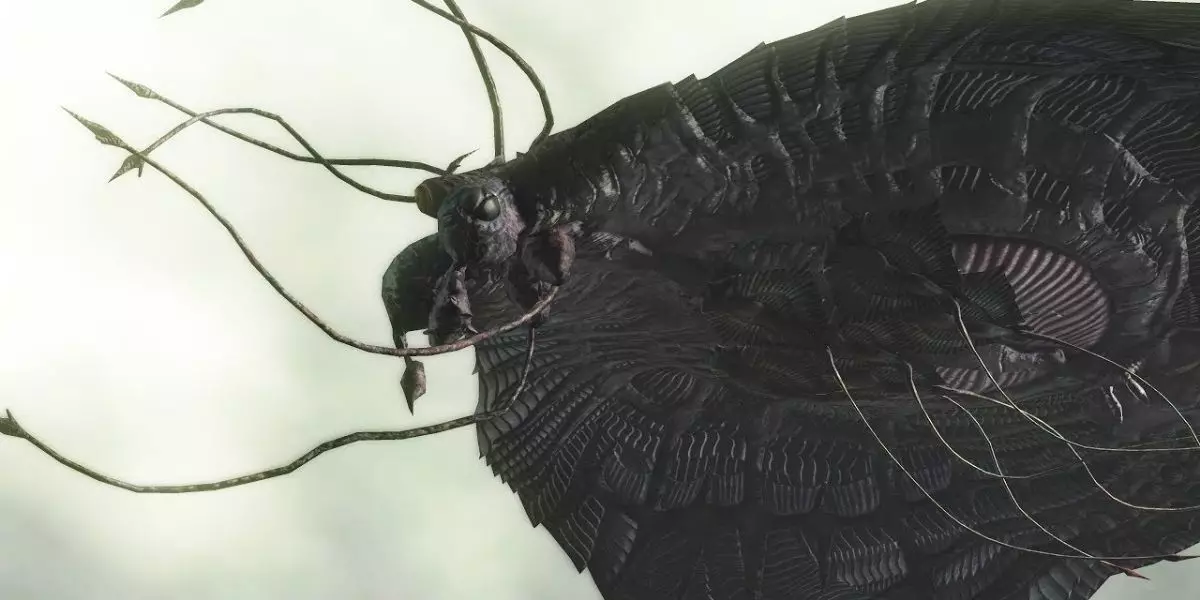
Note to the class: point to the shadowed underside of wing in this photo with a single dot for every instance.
(669, 477)
(684, 434)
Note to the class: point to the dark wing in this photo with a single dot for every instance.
(684, 434)
(674, 464)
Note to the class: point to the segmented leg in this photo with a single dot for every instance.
(548, 256)
(451, 316)
(544, 263)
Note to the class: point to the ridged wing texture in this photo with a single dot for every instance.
(669, 474)
(1028, 164)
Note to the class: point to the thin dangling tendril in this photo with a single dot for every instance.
(9, 426)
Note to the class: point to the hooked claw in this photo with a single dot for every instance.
(544, 264)
(548, 256)
(526, 291)
(450, 319)
(449, 335)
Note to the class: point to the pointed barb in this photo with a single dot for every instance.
(456, 163)
(103, 135)
(137, 88)
(413, 383)
(132, 162)
(9, 425)
(1137, 575)
(182, 4)
(1180, 557)
(1127, 571)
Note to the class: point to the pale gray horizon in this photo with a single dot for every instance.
(135, 338)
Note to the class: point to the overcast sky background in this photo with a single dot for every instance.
(134, 337)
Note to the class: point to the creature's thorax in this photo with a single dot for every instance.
(607, 171)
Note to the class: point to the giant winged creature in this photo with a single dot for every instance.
(901, 308)
(898, 308)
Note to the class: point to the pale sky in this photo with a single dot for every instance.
(134, 337)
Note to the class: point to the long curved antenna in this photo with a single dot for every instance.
(1041, 424)
(999, 473)
(912, 386)
(1127, 371)
(1010, 404)
(928, 495)
(530, 74)
(469, 30)
(145, 92)
(200, 117)
(1046, 426)
(9, 426)
(104, 136)
(489, 84)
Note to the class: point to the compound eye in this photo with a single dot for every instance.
(487, 208)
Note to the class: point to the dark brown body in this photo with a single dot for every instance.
(684, 435)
